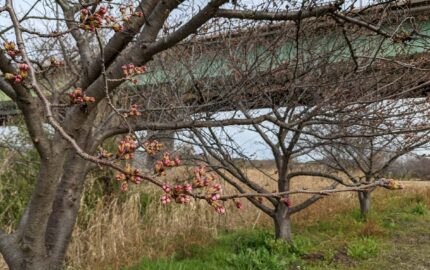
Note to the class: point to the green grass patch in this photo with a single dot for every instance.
(363, 248)
(345, 241)
(420, 209)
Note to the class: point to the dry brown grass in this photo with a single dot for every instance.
(119, 235)
(371, 228)
(112, 237)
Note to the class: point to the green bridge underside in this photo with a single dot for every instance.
(331, 49)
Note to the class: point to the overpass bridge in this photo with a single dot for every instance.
(257, 63)
(217, 72)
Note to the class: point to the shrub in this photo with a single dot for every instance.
(262, 252)
(420, 209)
(363, 248)
(16, 184)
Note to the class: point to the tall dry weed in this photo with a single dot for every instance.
(118, 234)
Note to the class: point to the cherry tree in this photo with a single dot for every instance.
(327, 94)
(364, 159)
(70, 80)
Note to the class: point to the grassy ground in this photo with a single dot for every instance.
(395, 236)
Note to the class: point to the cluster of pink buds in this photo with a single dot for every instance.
(18, 78)
(133, 111)
(56, 63)
(165, 199)
(90, 22)
(182, 199)
(126, 147)
(130, 70)
(219, 208)
(160, 166)
(217, 188)
(78, 97)
(178, 189)
(201, 177)
(287, 201)
(131, 175)
(126, 16)
(187, 188)
(180, 193)
(213, 197)
(168, 162)
(117, 27)
(166, 188)
(10, 48)
(124, 186)
(203, 180)
(23, 70)
(101, 18)
(152, 147)
(104, 153)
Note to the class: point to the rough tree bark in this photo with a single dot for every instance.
(282, 222)
(365, 202)
(65, 209)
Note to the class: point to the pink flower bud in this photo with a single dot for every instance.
(23, 67)
(166, 188)
(183, 199)
(215, 197)
(188, 187)
(178, 188)
(138, 179)
(177, 161)
(220, 209)
(18, 78)
(217, 187)
(238, 204)
(12, 53)
(102, 10)
(84, 11)
(287, 201)
(124, 186)
(165, 199)
(120, 177)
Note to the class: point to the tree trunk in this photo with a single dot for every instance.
(365, 202)
(282, 223)
(25, 249)
(46, 249)
(65, 210)
(10, 250)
